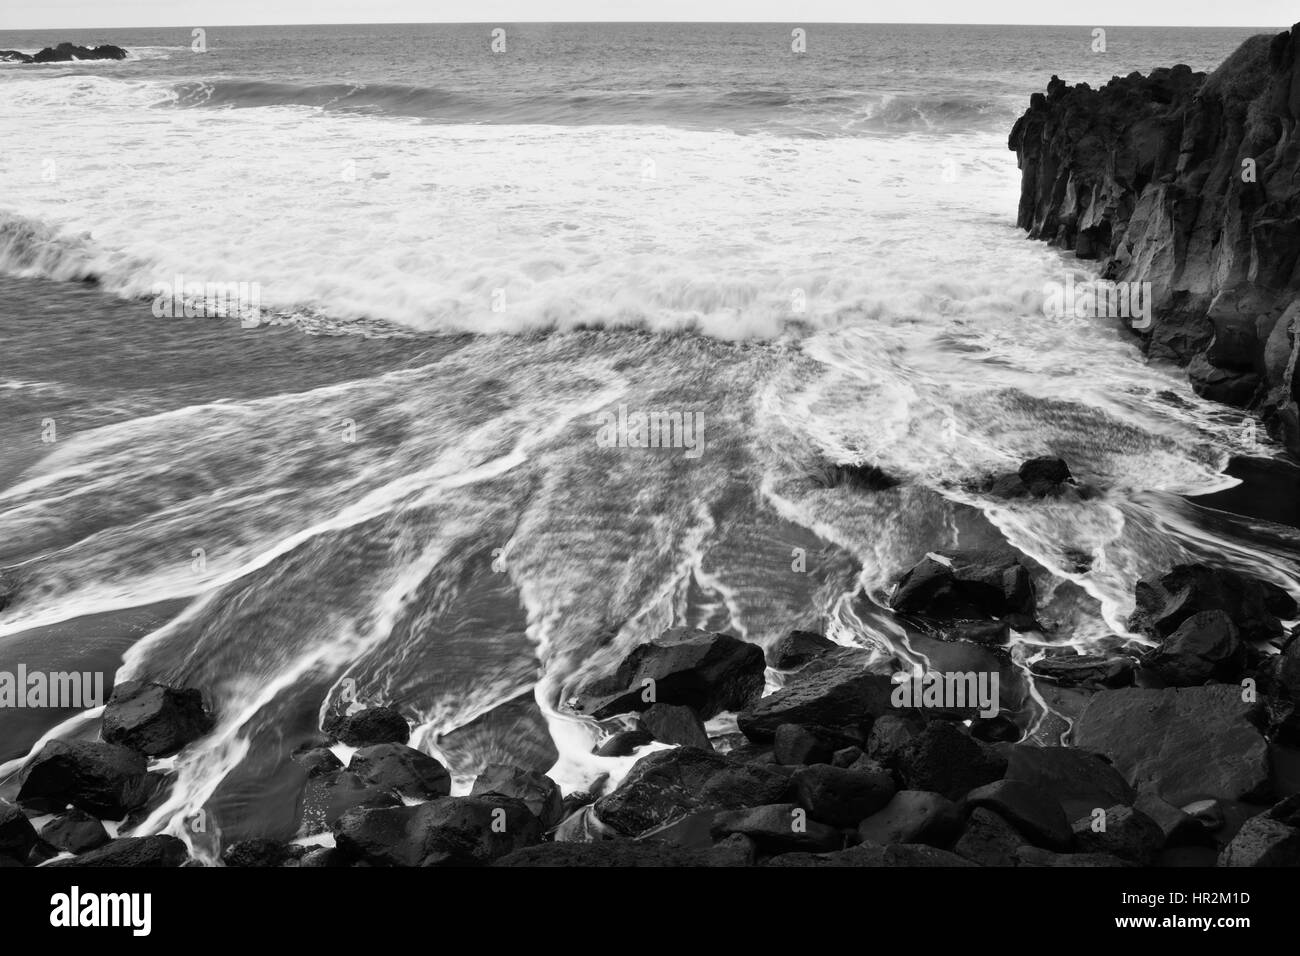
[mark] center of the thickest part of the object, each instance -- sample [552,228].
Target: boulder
[17,835]
[839,796]
[149,851]
[1166,602]
[75,831]
[317,761]
[778,828]
[965,585]
[1077,779]
[1185,744]
[874,856]
[1035,856]
[612,853]
[798,648]
[154,719]
[624,743]
[835,690]
[402,769]
[447,831]
[702,670]
[988,840]
[1036,814]
[329,796]
[103,779]
[675,724]
[668,784]
[1270,839]
[538,792]
[260,853]
[798,745]
[68,52]
[945,760]
[1085,670]
[1204,648]
[1125,832]
[913,816]
[374,725]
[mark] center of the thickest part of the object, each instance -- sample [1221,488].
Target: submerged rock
[704,671]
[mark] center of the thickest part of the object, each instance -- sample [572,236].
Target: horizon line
[793,22]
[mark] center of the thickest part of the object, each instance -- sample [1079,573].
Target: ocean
[379,475]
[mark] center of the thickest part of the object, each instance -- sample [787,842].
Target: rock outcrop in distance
[1190,182]
[65,53]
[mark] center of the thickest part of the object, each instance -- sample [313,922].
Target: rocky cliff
[1191,182]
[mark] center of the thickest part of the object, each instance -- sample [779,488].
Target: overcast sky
[36,14]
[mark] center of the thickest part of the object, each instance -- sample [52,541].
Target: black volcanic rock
[1036,814]
[1270,839]
[1127,833]
[536,790]
[668,784]
[913,816]
[946,760]
[1188,182]
[1253,606]
[835,690]
[778,828]
[1183,743]
[67,52]
[154,719]
[869,855]
[402,769]
[17,835]
[1205,647]
[75,831]
[374,725]
[448,831]
[704,671]
[798,648]
[103,779]
[840,796]
[1084,670]
[149,851]
[965,585]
